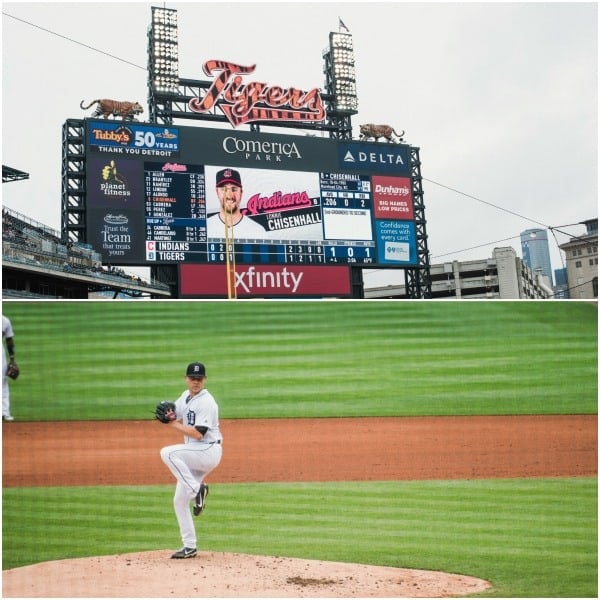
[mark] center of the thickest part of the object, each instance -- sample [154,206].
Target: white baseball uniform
[193,460]
[244,229]
[7,332]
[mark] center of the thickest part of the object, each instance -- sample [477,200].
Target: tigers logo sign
[254,101]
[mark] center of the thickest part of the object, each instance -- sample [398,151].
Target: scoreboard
[151,197]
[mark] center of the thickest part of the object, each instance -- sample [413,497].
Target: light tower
[340,84]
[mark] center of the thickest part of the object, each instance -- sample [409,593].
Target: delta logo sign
[374,158]
[255,101]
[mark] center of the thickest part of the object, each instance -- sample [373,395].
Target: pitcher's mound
[225,575]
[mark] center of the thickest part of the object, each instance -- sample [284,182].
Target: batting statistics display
[151,194]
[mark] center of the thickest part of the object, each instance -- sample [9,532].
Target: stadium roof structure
[10,174]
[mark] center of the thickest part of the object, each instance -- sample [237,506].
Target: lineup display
[151,196]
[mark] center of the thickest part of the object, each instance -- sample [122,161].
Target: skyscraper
[536,252]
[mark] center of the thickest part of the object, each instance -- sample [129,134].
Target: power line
[514,237]
[64,37]
[552,229]
[562,260]
[506,210]
[574,287]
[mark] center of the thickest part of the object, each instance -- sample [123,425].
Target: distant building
[581,253]
[503,276]
[536,252]
[561,284]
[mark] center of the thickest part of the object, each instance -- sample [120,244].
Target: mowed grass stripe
[529,537]
[290,359]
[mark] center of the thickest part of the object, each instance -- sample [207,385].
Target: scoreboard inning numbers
[340,217]
[151,198]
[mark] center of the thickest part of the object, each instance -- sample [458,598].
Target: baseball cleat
[185,553]
[8,418]
[200,499]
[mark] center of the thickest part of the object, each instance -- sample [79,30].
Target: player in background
[7,337]
[197,417]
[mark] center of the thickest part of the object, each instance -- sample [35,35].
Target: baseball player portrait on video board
[263,204]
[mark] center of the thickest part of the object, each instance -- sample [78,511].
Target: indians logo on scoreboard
[280,210]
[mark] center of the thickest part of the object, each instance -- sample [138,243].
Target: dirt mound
[222,575]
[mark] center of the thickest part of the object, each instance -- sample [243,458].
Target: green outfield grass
[529,538]
[115,360]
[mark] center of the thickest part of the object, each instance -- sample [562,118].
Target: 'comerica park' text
[231,145]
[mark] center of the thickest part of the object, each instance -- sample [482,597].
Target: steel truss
[418,279]
[73,198]
[11,174]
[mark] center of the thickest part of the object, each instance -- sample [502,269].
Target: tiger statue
[368,130]
[125,110]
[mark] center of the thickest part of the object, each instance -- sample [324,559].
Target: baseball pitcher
[195,414]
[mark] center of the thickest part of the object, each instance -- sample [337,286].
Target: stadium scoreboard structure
[151,198]
[316,210]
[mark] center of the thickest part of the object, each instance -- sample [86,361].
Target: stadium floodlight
[340,72]
[163,51]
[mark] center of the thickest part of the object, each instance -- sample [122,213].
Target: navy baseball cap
[195,369]
[230,176]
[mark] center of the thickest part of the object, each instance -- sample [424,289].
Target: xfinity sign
[382,158]
[265,281]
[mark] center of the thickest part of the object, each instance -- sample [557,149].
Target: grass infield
[529,537]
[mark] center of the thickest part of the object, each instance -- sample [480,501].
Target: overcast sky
[500,98]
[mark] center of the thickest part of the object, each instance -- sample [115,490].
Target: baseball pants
[190,464]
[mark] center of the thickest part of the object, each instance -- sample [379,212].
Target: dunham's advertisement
[394,224]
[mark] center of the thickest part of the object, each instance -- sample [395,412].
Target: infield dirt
[377,449]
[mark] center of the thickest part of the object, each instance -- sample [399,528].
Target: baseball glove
[165,412]
[12,370]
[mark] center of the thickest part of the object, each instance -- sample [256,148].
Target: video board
[151,197]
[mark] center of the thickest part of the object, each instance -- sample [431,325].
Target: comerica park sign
[255,101]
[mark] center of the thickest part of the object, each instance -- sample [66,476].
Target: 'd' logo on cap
[196,369]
